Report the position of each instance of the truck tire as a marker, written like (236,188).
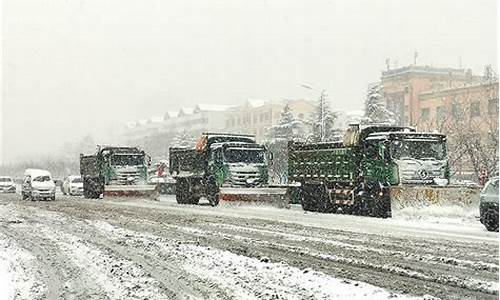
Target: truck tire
(309,197)
(91,188)
(491,222)
(212,191)
(194,200)
(213,199)
(181,191)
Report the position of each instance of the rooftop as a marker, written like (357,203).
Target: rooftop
(423,70)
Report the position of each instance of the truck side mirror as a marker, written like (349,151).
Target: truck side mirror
(271,156)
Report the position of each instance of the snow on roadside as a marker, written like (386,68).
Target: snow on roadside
(251,278)
(439,214)
(16,278)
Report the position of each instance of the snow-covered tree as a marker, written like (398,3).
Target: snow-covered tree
(288,127)
(183,139)
(375,110)
(322,122)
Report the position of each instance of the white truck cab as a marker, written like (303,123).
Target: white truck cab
(38,184)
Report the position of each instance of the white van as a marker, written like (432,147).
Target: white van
(38,184)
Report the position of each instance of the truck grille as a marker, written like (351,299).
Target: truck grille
(123,176)
(241,178)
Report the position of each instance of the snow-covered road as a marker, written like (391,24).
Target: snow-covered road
(136,249)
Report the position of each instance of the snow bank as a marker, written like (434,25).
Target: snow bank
(439,213)
(16,268)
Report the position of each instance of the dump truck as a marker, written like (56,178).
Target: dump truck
(116,171)
(222,166)
(372,170)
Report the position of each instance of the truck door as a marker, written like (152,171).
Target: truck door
(216,166)
(376,164)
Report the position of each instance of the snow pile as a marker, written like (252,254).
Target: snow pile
(16,266)
(439,213)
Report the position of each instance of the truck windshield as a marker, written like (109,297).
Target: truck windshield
(244,156)
(127,160)
(5,179)
(418,149)
(77,180)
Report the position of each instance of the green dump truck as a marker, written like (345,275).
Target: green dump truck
(228,167)
(372,168)
(115,171)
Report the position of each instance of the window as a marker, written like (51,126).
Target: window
(425,113)
(493,106)
(255,119)
(475,109)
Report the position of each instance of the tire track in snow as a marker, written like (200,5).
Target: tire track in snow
(488,287)
(250,278)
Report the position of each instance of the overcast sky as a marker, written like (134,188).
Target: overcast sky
(72,67)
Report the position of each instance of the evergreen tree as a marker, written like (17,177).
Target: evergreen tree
(322,122)
(288,127)
(375,110)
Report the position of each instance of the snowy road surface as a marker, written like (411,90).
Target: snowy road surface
(75,248)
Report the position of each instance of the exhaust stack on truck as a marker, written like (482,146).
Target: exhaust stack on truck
(115,171)
(372,169)
(228,167)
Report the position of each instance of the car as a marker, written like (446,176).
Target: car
(488,205)
(38,184)
(72,185)
(7,185)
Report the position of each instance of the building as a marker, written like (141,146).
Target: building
(258,116)
(451,101)
(403,86)
(192,120)
(139,129)
(472,104)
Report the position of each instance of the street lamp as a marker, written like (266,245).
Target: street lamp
(322,106)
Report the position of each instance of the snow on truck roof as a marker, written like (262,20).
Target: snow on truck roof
(419,135)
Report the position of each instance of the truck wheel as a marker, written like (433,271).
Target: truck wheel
(214,199)
(212,191)
(381,207)
(194,200)
(307,198)
(491,222)
(181,190)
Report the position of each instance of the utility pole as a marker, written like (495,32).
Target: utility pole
(322,97)
(322,125)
